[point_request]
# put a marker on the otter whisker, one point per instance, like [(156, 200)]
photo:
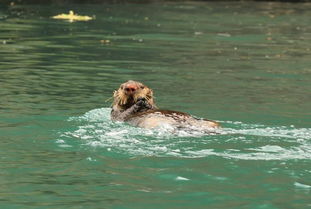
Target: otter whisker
[(134, 103), (109, 99)]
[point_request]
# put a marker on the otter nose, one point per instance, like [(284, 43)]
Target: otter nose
[(130, 88)]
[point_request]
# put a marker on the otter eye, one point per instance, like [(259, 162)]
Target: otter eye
[(142, 87), (121, 87)]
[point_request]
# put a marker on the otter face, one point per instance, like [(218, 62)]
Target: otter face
[(129, 92)]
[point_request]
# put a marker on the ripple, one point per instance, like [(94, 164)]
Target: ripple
[(235, 141), (302, 186)]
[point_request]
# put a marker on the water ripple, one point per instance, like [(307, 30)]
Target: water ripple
[(236, 140)]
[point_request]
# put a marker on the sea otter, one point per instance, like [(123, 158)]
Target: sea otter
[(134, 103)]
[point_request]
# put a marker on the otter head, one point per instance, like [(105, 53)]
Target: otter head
[(129, 92)]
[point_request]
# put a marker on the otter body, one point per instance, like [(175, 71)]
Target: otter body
[(133, 103), (160, 118)]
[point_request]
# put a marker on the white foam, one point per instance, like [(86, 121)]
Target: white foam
[(302, 186), (91, 159), (60, 141), (64, 145), (255, 141), (180, 178)]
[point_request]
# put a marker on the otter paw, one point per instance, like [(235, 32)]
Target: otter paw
[(142, 103)]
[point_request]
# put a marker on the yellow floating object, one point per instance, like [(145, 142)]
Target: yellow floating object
[(71, 17)]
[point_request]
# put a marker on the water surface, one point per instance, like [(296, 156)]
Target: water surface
[(246, 65)]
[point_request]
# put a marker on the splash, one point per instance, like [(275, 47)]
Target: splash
[(236, 140)]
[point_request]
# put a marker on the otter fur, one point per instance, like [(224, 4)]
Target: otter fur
[(134, 103)]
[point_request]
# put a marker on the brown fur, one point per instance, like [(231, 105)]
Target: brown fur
[(123, 101), (126, 107)]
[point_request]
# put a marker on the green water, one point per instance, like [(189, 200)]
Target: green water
[(244, 64)]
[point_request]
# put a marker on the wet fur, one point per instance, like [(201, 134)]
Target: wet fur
[(140, 110), (124, 106), (122, 101)]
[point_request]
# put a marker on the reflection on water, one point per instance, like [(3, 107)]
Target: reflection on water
[(231, 62)]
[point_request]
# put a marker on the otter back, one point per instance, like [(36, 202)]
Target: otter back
[(159, 118)]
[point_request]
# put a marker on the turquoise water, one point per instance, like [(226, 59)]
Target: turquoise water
[(246, 65)]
